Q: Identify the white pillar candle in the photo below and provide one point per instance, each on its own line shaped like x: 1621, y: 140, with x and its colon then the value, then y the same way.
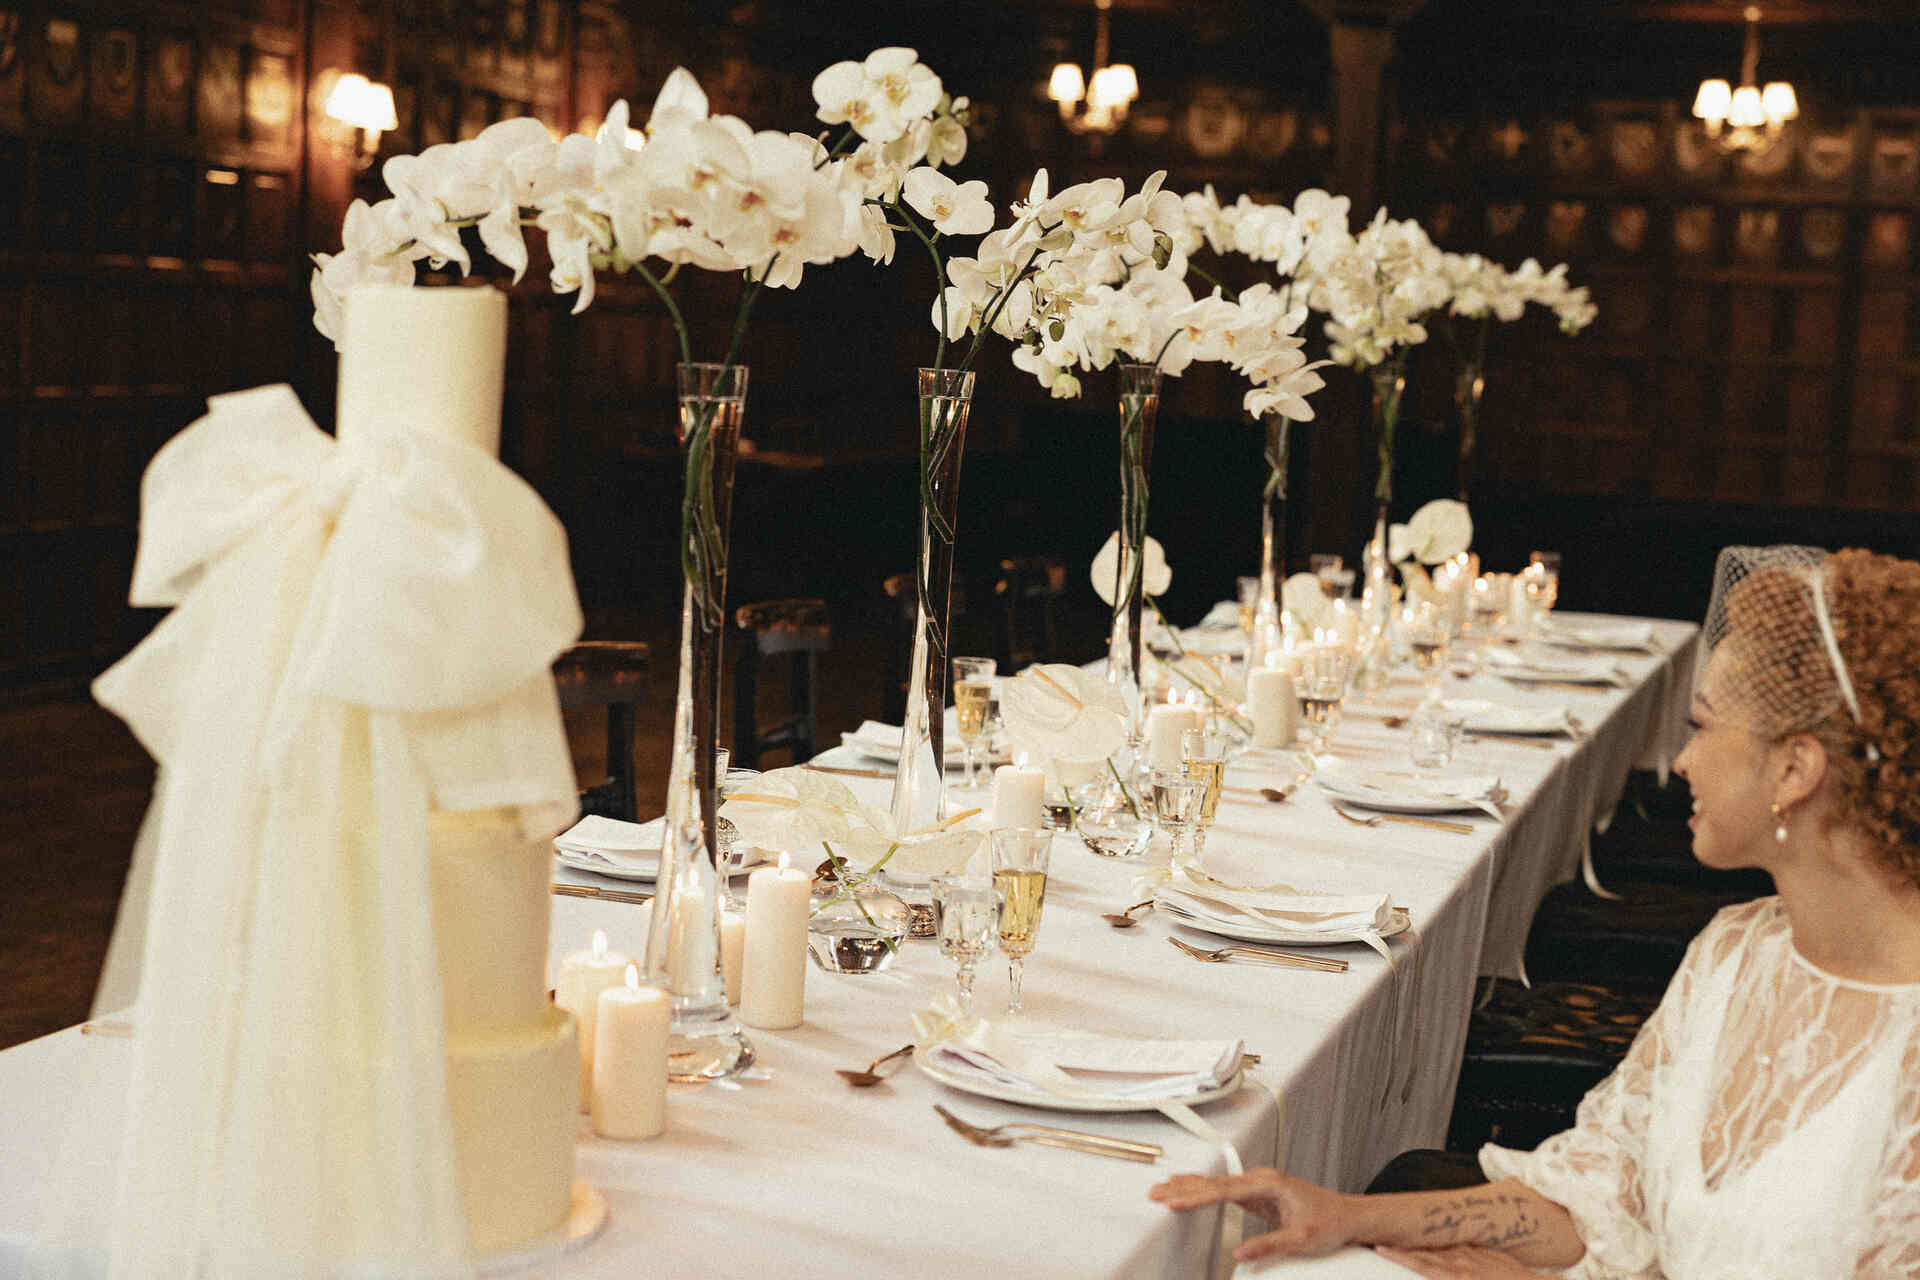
x: 1519, y: 607
x: 583, y: 976
x: 733, y: 939
x: 630, y: 1060
x: 1017, y: 795
x: 1275, y: 707
x: 1165, y: 724
x: 773, y: 970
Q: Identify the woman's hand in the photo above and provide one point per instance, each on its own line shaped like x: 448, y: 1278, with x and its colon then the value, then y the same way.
x: 1308, y: 1218
x: 1462, y: 1262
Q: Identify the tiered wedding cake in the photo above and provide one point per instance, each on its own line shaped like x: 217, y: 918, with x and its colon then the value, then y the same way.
x: 433, y: 359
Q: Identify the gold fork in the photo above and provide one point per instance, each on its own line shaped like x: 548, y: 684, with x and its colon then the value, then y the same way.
x: 1325, y: 964
x: 1374, y: 820
x: 1006, y: 1135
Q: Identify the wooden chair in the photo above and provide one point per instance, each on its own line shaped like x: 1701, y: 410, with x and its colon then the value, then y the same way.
x: 800, y: 631
x: 612, y: 674
x: 1026, y: 623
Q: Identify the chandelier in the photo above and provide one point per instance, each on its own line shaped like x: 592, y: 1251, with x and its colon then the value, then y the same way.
x: 1097, y: 104
x: 1750, y: 117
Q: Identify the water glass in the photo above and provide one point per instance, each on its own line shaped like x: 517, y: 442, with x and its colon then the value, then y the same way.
x: 972, y: 696
x: 1542, y: 582
x: 1436, y: 733
x: 1177, y: 799
x: 1425, y: 626
x: 1019, y: 859
x: 966, y: 912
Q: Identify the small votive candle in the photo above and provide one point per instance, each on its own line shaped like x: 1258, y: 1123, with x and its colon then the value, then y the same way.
x: 629, y: 1098
x: 583, y: 976
x: 773, y: 967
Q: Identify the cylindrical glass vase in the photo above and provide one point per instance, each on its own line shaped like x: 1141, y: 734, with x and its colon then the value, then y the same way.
x: 683, y: 948
x: 919, y: 791
x: 1139, y: 411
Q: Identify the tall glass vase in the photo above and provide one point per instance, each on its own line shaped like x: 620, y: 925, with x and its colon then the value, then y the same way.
x: 1273, y: 543
x: 1468, y: 385
x: 919, y: 791
x: 1139, y: 410
x: 683, y: 940
x: 1389, y: 382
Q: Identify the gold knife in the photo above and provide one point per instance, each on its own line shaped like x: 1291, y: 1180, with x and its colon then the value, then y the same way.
x: 1438, y: 824
x: 562, y: 890
x: 851, y: 773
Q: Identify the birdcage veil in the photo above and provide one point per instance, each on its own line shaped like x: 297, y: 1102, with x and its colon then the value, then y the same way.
x: 1773, y: 658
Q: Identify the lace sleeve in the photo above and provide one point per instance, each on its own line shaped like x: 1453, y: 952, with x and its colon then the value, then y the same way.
x: 1595, y: 1170
x: 1891, y: 1236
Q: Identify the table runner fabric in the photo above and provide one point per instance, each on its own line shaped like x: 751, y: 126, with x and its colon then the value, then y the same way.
x: 793, y: 1173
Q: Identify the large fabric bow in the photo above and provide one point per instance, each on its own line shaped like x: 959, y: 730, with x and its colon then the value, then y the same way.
x: 361, y: 633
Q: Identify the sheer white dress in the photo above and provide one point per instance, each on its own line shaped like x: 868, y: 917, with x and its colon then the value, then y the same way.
x: 1766, y: 1123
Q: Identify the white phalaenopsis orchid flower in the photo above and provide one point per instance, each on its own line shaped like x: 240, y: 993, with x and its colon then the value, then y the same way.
x: 1107, y: 569
x: 1059, y: 712
x: 954, y: 208
x: 880, y: 97
x: 1439, y: 531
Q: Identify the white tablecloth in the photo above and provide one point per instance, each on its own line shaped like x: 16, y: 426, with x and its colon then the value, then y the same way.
x: 793, y: 1173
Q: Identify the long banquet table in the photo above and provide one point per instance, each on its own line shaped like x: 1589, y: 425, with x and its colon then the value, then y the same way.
x: 791, y: 1173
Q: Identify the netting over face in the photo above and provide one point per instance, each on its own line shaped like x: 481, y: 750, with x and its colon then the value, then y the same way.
x: 1771, y: 662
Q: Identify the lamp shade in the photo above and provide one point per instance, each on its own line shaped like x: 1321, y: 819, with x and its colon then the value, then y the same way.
x: 1778, y: 101
x: 1713, y: 100
x: 362, y: 103
x: 1066, y: 83
x: 1745, y: 112
x: 1125, y: 82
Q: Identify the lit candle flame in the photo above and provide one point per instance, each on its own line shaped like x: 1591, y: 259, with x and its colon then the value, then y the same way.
x: 783, y: 862
x: 633, y: 977
x: 599, y: 944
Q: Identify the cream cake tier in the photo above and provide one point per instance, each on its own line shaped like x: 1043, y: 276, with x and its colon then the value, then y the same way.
x: 512, y: 1057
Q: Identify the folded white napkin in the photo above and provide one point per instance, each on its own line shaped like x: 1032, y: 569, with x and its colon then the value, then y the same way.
x: 1076, y: 1065
x: 1598, y: 635
x: 882, y: 741
x: 1538, y: 666
x: 630, y: 846
x: 1386, y: 789
x: 1223, y: 615
x: 1486, y: 716
x: 1203, y: 639
x: 1276, y: 907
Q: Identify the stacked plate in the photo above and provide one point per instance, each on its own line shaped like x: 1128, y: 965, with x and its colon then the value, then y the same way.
x: 1482, y: 715
x: 1393, y: 792
x: 627, y: 850
x: 1278, y: 913
x: 1560, y: 670
x: 1568, y: 634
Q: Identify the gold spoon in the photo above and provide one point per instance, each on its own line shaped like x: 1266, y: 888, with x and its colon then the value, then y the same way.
x: 1124, y: 919
x: 864, y: 1079
x: 1278, y: 794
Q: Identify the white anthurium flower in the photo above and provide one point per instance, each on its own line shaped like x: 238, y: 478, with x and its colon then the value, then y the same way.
x: 941, y: 850
x: 791, y: 811
x: 1059, y: 712
x: 1439, y: 531
x: 954, y: 209
x: 1305, y: 597
x: 1107, y: 569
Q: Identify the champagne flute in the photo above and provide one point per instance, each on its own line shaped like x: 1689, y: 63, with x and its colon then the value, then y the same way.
x: 1177, y: 799
x: 1020, y: 874
x: 972, y: 692
x: 966, y: 912
x: 1203, y: 755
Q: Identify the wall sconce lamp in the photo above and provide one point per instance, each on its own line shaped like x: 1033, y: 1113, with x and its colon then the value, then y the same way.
x: 363, y: 110
x: 1098, y: 105
x: 1756, y: 114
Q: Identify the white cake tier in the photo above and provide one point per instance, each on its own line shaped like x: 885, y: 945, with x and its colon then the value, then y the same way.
x: 429, y: 359
x: 490, y: 911
x: 515, y: 1111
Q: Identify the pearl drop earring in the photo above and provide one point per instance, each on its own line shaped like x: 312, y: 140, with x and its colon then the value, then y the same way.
x: 1780, y: 830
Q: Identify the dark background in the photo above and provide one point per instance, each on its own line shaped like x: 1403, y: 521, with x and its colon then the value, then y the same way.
x: 163, y: 175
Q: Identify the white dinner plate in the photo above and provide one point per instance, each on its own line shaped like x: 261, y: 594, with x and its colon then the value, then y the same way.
x: 1026, y: 1098
x: 1366, y: 797
x: 1398, y: 924
x: 1482, y: 715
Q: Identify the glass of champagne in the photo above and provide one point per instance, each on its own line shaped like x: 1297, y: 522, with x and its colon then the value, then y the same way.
x: 1203, y: 754
x: 1177, y: 798
x: 1020, y: 874
x: 1426, y: 630
x: 972, y: 693
x: 966, y: 912
x: 1324, y: 673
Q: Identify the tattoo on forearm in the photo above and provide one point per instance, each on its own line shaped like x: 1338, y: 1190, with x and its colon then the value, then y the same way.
x: 1493, y: 1221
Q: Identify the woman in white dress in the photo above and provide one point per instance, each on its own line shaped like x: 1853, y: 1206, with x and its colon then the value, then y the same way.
x: 1766, y: 1122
